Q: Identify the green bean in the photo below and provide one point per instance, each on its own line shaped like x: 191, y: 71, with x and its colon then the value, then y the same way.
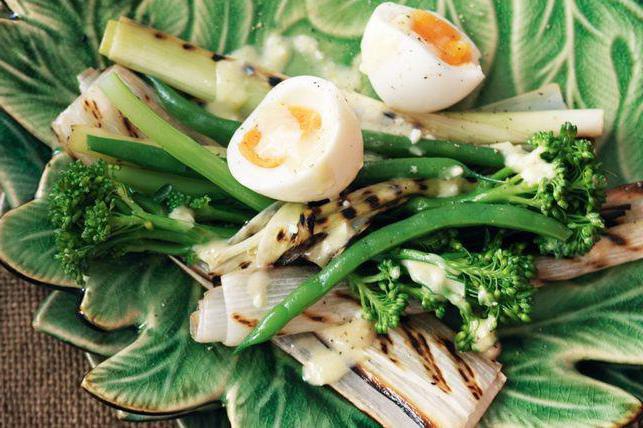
x: 389, y: 145
x: 146, y: 181
x: 389, y: 237
x: 388, y: 169
x: 141, y: 154
x: 399, y: 146
x: 193, y: 116
x: 225, y: 214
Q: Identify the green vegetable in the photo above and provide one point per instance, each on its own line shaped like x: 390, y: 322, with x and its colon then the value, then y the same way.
x: 201, y: 206
x: 96, y: 216
x: 193, y: 116
x: 391, y: 236
x: 388, y: 169
x: 399, y: 146
x: 573, y: 196
x: 147, y: 181
x: 390, y: 145
x: 487, y: 287
x: 177, y: 144
x: 144, y: 155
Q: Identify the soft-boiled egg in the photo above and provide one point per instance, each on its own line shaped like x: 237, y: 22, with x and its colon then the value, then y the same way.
x: 302, y: 143
x: 416, y: 60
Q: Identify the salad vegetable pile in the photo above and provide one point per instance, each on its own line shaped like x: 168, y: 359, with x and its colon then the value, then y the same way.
x: 378, y: 240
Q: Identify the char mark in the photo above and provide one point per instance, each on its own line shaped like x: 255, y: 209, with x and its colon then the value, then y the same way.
x: 349, y: 213
x: 251, y: 323
x: 616, y: 239
x: 218, y: 57
x: 422, y: 420
x: 373, y: 201
x: 274, y: 80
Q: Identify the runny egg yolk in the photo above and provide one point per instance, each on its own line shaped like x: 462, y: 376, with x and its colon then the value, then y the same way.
x: 309, y: 121
x: 443, y: 36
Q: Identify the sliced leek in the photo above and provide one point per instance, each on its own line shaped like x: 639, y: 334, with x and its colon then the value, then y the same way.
x: 412, y: 376
x: 548, y: 97
x: 147, y: 51
x: 242, y: 86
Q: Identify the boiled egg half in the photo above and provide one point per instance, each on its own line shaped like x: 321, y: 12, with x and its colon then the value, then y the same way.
x: 416, y: 60
x: 302, y: 143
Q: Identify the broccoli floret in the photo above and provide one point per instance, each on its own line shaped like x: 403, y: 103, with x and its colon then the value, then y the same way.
x: 177, y: 199
x: 487, y: 287
x: 572, y: 196
x: 382, y: 298
x: 96, y: 216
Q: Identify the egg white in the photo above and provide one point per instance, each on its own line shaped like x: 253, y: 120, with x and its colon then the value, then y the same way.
x: 406, y: 72
x: 315, y: 166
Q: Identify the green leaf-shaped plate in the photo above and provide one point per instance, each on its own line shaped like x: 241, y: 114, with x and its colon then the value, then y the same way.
x: 592, y: 48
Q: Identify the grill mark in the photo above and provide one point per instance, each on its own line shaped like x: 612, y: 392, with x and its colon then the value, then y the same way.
x: 130, y: 128
x: 464, y: 370
x: 373, y: 201
x: 96, y: 110
x: 218, y: 57
x: 281, y: 235
x: 419, y: 418
x: 314, y: 317
x: 422, y: 185
x: 274, y: 80
x: 419, y: 343
x: 397, y: 189
x: 390, y: 114
x: 244, y: 265
x: 188, y: 47
x: 349, y: 213
x: 616, y: 239
x: 322, y: 221
x: 160, y: 36
x: 315, y: 204
x: 243, y: 320
x: 294, y: 253
x: 310, y: 223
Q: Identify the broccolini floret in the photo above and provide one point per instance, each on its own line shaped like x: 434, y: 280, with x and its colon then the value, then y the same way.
x: 573, y: 195
x: 96, y: 216
x: 487, y: 288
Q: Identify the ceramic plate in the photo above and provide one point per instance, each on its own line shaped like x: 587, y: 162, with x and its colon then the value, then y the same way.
x: 577, y: 364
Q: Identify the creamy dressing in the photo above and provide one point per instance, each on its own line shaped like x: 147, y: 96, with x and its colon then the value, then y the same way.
x: 182, y: 213
x: 446, y: 188
x: 278, y: 50
x: 454, y: 171
x: 346, y: 343
x: 337, y: 238
x: 485, y: 334
x: 434, y: 276
x: 415, y: 135
x: 531, y: 167
x: 210, y: 251
x: 257, y: 288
